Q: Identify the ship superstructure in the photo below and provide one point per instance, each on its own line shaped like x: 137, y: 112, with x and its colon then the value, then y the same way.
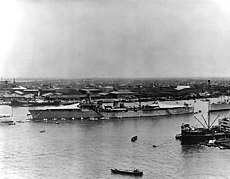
x: 74, y: 111
x: 155, y: 109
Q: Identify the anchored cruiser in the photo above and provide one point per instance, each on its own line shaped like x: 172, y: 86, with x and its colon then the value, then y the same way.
x: 82, y: 111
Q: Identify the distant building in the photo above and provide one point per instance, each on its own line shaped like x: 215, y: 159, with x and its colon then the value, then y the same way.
x: 204, y: 94
x: 107, y: 89
x: 66, y: 97
x: 90, y: 90
x: 9, y: 97
x: 67, y: 91
x: 182, y: 87
x: 19, y: 92
x: 32, y: 91
x: 19, y: 88
x: 47, y: 90
x: 121, y: 94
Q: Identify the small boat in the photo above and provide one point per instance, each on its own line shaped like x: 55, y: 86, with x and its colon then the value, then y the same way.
x: 93, y: 119
x: 4, y: 115
x: 7, y: 119
x: 222, y: 147
x: 104, y: 118
x: 20, y: 121
x: 133, y: 139
x: 134, y: 172
x: 28, y: 114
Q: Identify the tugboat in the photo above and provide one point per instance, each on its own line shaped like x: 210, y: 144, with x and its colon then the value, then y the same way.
x: 195, y: 135
x: 134, y: 172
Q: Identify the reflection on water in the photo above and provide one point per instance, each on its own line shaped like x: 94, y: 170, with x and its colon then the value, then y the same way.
x: 88, y: 149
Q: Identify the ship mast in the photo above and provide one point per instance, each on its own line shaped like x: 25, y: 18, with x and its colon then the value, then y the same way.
x: 208, y: 120
x: 228, y: 96
x: 208, y: 114
x: 12, y: 118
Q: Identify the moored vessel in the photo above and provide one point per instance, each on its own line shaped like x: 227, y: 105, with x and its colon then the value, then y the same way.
x: 91, y: 110
x: 121, y: 111
x: 134, y: 172
x: 192, y: 135
x: 6, y: 119
x: 74, y: 111
x: 195, y: 135
x: 219, y: 106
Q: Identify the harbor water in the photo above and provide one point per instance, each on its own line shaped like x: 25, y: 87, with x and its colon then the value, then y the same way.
x: 89, y: 149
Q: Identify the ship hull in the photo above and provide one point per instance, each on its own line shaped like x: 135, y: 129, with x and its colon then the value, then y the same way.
x: 191, y: 135
x: 195, y: 139
x: 66, y: 114
x: 219, y: 107
x: 127, y: 113
x: 147, y: 113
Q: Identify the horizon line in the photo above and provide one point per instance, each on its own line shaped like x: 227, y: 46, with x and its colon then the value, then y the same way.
x: 91, y: 78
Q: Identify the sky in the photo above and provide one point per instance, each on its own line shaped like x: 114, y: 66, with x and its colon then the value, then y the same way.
x: 114, y: 38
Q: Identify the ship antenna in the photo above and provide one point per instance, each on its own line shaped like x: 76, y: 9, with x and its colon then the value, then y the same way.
x: 12, y: 113
x: 208, y: 114
x: 199, y: 121
x: 214, y: 120
x: 89, y: 96
x: 204, y: 120
x: 228, y: 96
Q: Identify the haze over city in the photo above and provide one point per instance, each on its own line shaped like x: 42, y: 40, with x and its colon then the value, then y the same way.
x: 105, y: 38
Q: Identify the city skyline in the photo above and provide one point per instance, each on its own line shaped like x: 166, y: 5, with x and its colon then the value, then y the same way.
x: 114, y: 39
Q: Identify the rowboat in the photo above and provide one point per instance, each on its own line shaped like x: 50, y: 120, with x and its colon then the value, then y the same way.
x: 133, y: 139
